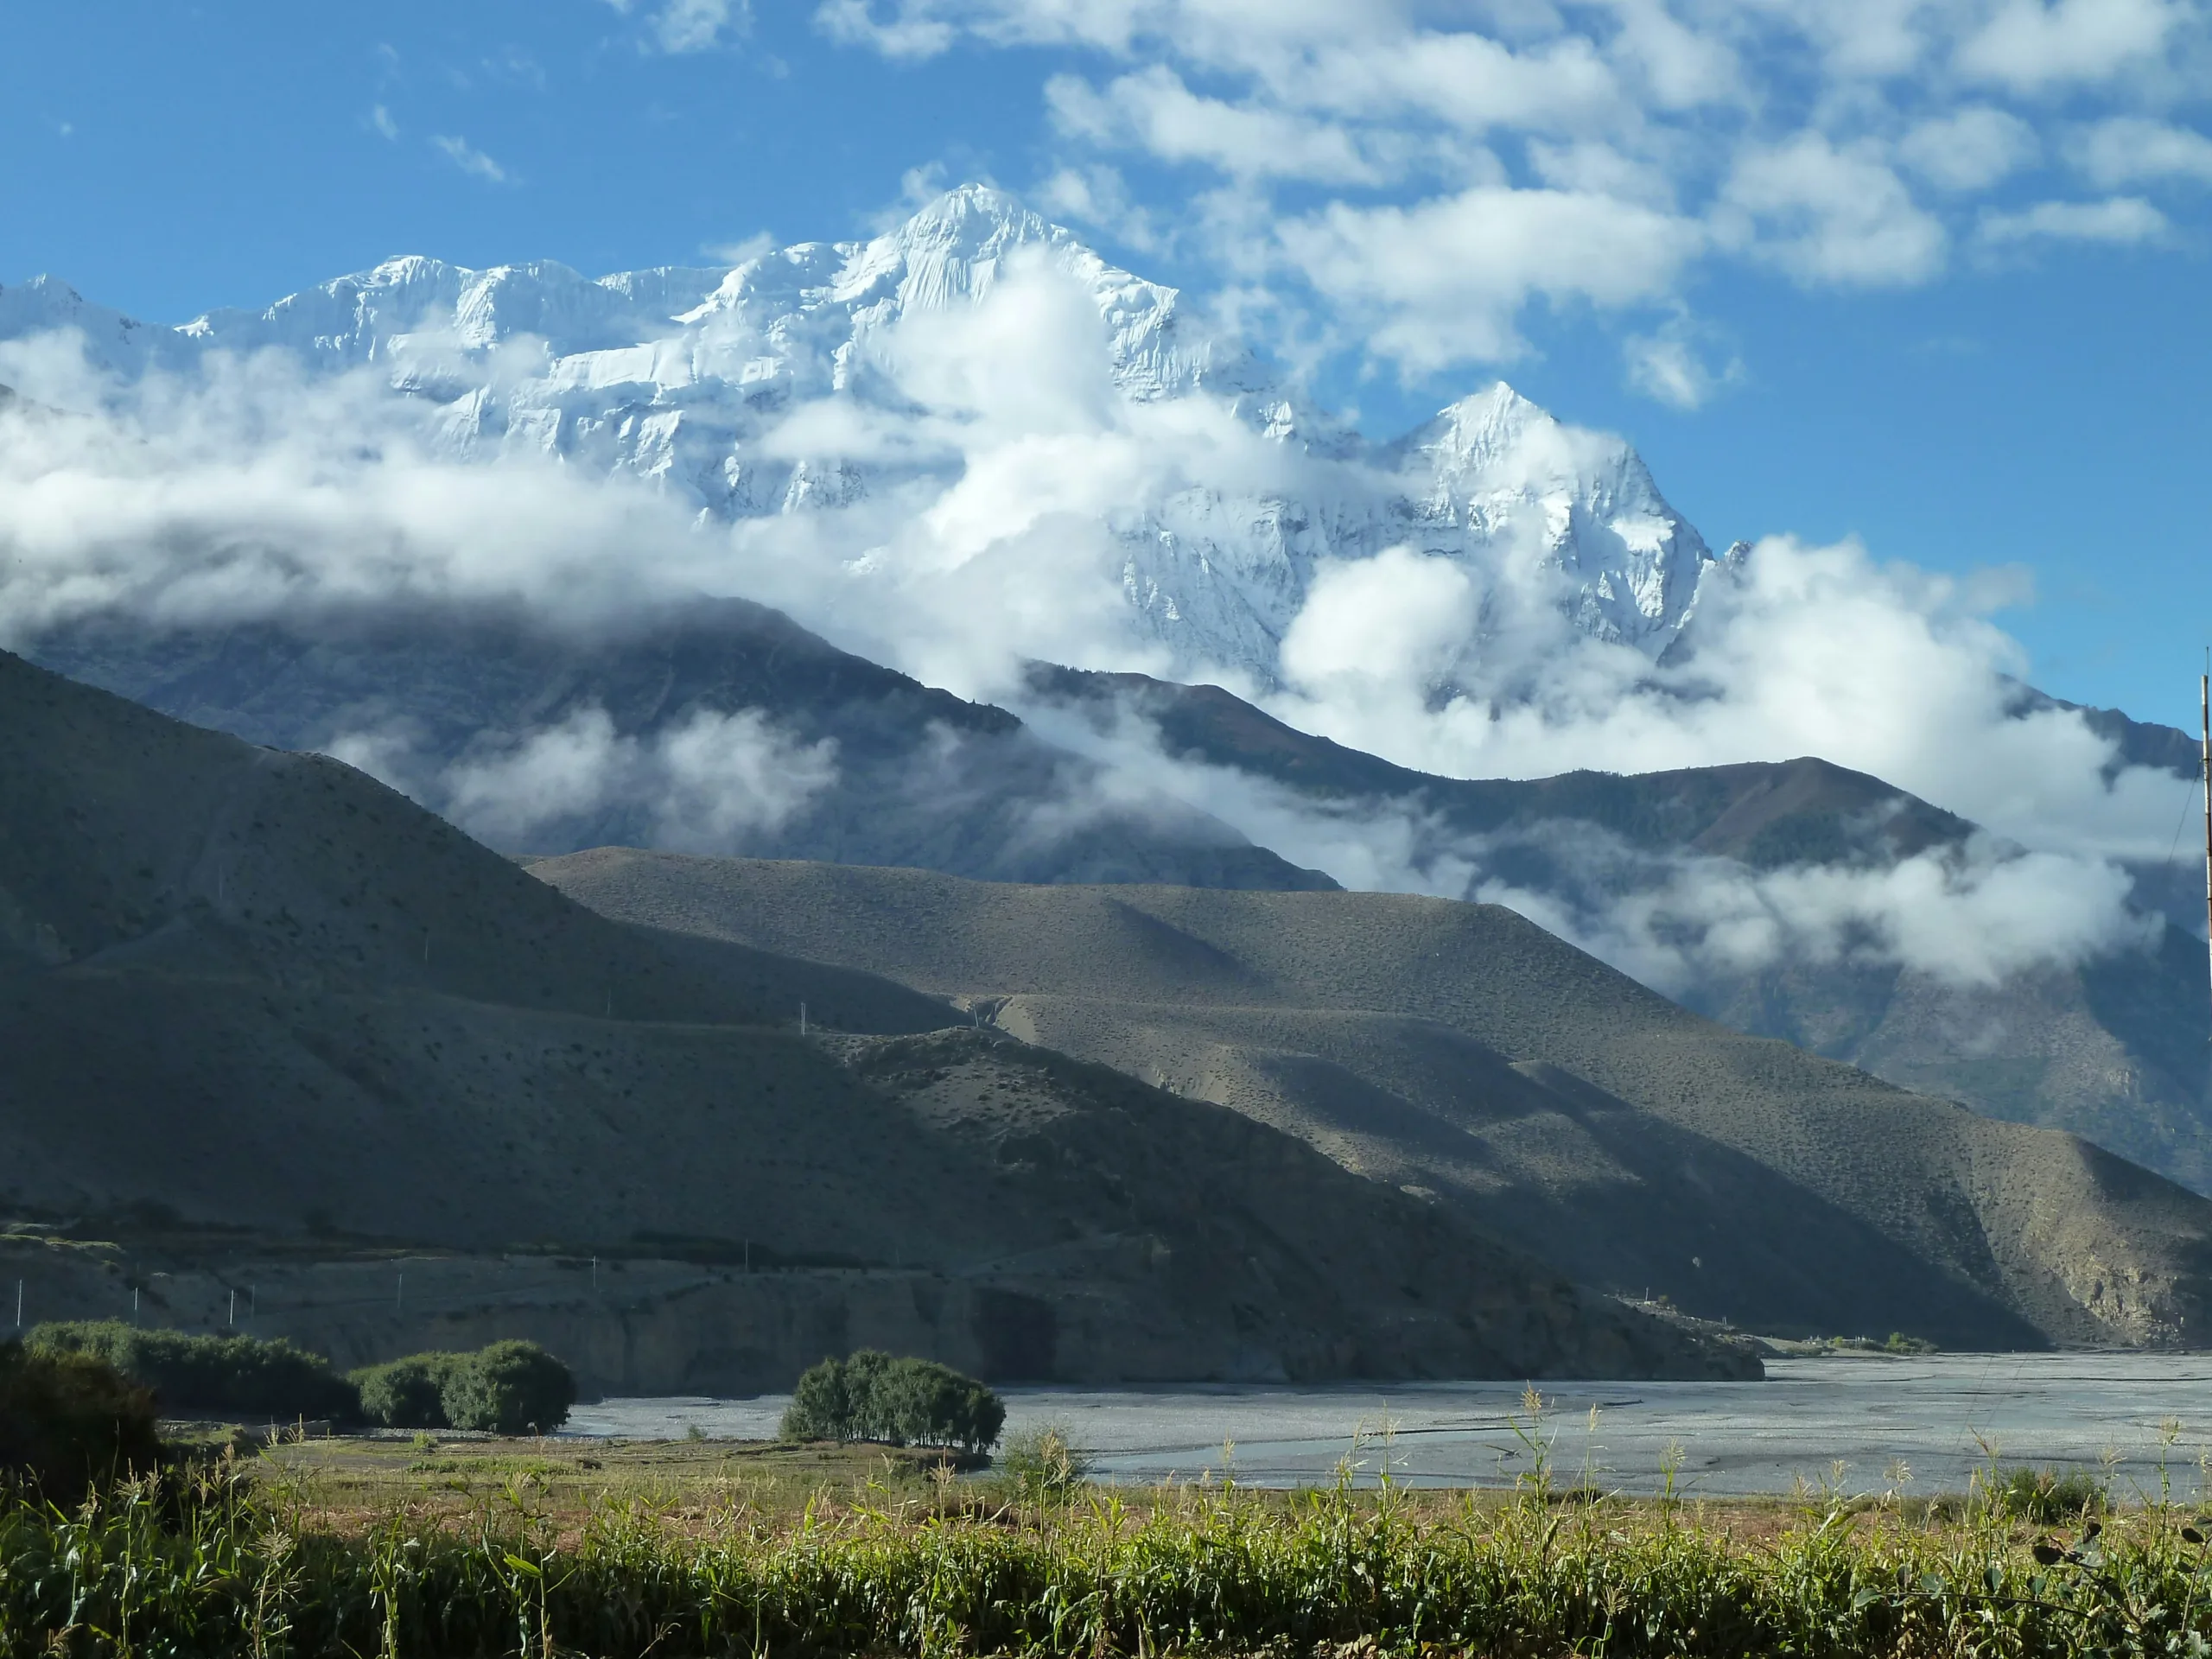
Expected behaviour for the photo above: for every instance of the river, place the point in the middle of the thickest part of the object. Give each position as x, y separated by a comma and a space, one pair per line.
1914, 1425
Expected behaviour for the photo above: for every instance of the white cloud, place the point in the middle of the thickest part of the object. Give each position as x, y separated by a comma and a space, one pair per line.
1153, 111
1826, 215
380, 118
1444, 281
2120, 219
743, 252
2030, 45
471, 161
1804, 133
854, 22
681, 26
1969, 914
1969, 149
705, 784
1670, 367
1400, 619
2130, 150
1098, 196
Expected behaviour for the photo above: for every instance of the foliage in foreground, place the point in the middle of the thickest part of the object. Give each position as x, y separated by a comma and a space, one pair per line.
236, 1571
240, 1374
872, 1396
1043, 1466
68, 1421
509, 1388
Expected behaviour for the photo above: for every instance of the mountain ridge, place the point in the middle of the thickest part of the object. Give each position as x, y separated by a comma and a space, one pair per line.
686, 399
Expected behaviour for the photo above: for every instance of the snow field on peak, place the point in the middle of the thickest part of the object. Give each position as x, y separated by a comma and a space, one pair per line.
826, 378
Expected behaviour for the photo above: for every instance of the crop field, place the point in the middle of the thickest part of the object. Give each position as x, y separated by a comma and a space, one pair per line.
434, 1546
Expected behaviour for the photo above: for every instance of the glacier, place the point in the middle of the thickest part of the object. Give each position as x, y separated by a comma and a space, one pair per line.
676, 377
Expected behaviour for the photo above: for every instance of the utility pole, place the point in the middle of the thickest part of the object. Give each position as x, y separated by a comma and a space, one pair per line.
802, 1006
234, 1305
19, 1304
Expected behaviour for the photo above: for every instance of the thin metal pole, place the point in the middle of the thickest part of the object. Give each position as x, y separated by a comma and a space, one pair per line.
2204, 688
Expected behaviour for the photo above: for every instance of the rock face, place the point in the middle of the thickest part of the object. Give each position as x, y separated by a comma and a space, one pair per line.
684, 378
1459, 1051
256, 1005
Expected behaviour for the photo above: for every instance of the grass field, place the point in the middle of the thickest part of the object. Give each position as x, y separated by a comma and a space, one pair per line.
442, 1547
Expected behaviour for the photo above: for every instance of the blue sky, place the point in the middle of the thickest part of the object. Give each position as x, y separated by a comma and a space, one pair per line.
1929, 271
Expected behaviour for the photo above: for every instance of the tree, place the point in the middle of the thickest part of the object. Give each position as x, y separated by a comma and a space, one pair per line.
69, 1421
509, 1388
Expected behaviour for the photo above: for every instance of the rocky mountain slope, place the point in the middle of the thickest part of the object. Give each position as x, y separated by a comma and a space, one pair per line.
1458, 1052
2111, 1049
255, 1006
688, 380
714, 726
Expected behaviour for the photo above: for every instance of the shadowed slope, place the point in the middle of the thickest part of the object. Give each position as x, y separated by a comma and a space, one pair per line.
2113, 1048
1628, 1139
440, 700
262, 996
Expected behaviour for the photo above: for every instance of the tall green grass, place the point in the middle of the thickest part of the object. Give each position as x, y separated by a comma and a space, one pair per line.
245, 1569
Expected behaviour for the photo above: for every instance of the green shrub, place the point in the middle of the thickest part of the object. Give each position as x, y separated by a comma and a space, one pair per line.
408, 1393
505, 1388
68, 1421
509, 1388
871, 1396
2048, 1496
231, 1374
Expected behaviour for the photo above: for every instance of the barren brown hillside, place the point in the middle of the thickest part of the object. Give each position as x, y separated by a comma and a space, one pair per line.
1459, 1050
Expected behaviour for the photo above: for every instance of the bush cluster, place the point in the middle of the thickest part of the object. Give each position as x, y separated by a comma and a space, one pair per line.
68, 1421
236, 1373
2048, 1496
509, 1388
871, 1396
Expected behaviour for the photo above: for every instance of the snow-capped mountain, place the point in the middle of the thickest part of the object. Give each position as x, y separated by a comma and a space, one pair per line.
678, 376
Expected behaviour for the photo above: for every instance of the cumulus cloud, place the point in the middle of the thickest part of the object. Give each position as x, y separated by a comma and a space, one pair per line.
2033, 44
2133, 150
2120, 219
680, 26
703, 785
1969, 149
1445, 280
1153, 111
1418, 158
1829, 215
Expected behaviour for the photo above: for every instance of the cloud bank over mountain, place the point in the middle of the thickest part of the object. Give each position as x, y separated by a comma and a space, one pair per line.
970, 443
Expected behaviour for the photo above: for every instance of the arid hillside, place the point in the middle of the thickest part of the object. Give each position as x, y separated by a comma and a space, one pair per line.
1458, 1052
256, 1005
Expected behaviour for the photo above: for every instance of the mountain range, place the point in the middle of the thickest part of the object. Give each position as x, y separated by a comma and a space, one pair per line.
681, 723
686, 380
257, 1009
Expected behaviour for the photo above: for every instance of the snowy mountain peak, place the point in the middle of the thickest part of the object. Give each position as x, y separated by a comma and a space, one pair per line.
687, 378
